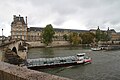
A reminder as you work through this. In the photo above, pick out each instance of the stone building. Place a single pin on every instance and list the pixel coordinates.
(19, 28)
(114, 36)
(34, 34)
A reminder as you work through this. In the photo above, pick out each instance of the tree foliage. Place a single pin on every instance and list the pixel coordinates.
(65, 37)
(87, 37)
(47, 34)
(105, 37)
(98, 35)
(74, 38)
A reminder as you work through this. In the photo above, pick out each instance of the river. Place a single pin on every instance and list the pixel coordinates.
(105, 64)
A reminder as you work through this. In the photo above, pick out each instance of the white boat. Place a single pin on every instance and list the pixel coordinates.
(96, 49)
(80, 58)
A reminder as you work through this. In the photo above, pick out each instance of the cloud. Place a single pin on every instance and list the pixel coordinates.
(73, 14)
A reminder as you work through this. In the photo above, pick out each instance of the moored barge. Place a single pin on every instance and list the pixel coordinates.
(58, 61)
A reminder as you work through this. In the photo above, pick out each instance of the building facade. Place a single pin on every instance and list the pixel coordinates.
(19, 28)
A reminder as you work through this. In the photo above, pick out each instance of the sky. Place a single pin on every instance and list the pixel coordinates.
(65, 14)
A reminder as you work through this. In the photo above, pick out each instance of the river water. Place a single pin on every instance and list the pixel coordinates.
(105, 64)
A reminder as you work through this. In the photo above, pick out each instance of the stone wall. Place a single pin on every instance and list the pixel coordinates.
(22, 54)
(1, 55)
(54, 44)
(12, 72)
(36, 44)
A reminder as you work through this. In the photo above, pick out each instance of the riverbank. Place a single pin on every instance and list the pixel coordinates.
(39, 44)
(54, 44)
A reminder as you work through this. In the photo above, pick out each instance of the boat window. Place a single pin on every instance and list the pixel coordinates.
(45, 62)
(80, 55)
(51, 62)
(86, 57)
(62, 60)
(73, 60)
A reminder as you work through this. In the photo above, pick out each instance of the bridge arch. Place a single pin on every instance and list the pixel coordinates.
(14, 50)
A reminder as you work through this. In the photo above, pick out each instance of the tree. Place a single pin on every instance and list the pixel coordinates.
(47, 34)
(87, 37)
(65, 37)
(74, 38)
(103, 36)
(98, 35)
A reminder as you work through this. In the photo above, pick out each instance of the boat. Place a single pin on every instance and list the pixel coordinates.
(58, 61)
(96, 49)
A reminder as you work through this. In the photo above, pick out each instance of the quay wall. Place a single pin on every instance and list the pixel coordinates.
(12, 72)
(53, 44)
(22, 54)
(1, 55)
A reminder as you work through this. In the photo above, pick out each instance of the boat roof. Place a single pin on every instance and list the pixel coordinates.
(52, 59)
(81, 53)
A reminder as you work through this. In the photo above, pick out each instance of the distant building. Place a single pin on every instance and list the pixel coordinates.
(114, 36)
(19, 28)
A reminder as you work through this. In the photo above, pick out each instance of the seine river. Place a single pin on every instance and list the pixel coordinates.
(105, 64)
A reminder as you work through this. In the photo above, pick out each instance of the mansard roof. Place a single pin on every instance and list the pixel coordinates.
(112, 30)
(21, 19)
(35, 29)
(18, 19)
(56, 29)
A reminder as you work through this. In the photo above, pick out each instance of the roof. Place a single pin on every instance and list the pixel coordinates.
(18, 19)
(81, 53)
(112, 30)
(35, 29)
(56, 29)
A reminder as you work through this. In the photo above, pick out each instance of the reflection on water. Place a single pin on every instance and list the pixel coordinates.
(105, 64)
(46, 52)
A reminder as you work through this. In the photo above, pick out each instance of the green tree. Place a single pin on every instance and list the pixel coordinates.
(65, 37)
(74, 38)
(87, 37)
(98, 35)
(103, 36)
(47, 34)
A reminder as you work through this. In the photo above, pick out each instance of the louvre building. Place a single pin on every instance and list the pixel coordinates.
(19, 29)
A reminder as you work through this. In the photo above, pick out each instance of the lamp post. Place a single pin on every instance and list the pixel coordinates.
(2, 36)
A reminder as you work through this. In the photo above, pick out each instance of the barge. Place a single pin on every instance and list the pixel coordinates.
(58, 61)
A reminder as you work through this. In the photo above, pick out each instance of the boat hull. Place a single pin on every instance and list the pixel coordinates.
(95, 49)
(53, 66)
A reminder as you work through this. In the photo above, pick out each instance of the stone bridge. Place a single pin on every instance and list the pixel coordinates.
(14, 45)
(17, 47)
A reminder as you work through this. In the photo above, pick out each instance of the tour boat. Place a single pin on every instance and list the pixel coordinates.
(96, 49)
(58, 61)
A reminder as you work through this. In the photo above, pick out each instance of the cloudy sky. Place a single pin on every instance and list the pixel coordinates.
(68, 14)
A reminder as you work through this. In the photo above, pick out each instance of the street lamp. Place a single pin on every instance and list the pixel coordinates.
(2, 36)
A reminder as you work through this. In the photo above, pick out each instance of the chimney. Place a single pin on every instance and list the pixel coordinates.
(14, 17)
(19, 17)
(26, 20)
